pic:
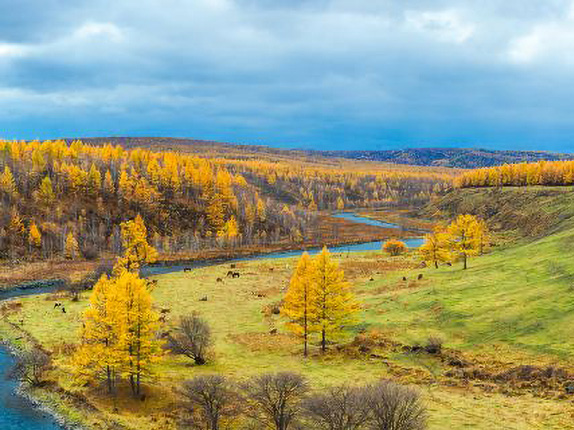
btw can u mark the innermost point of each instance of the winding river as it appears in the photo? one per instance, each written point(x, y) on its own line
point(17, 413)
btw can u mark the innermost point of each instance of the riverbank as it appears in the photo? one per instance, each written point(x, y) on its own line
point(22, 406)
point(474, 383)
point(335, 231)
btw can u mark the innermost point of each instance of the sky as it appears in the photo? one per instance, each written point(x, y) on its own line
point(322, 74)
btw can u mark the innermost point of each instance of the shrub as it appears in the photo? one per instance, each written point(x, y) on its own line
point(276, 398)
point(31, 366)
point(192, 339)
point(394, 247)
point(434, 345)
point(395, 407)
point(339, 408)
point(213, 396)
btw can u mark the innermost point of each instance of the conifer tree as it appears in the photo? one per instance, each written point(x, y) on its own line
point(137, 250)
point(71, 248)
point(334, 300)
point(300, 303)
point(46, 192)
point(100, 355)
point(7, 183)
point(119, 334)
point(34, 236)
point(435, 249)
point(463, 237)
point(139, 343)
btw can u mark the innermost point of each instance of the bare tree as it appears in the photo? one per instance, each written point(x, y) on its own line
point(395, 407)
point(192, 339)
point(276, 398)
point(213, 395)
point(31, 366)
point(339, 408)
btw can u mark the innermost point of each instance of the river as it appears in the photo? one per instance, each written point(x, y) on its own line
point(16, 413)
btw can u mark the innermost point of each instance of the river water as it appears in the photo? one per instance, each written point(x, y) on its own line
point(16, 413)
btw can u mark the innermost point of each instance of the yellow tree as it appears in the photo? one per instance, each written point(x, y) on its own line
point(137, 250)
point(100, 355)
point(139, 343)
point(300, 303)
point(463, 237)
point(230, 230)
point(435, 249)
point(7, 183)
point(394, 247)
point(261, 210)
point(94, 180)
point(119, 333)
point(109, 187)
point(46, 193)
point(215, 213)
point(335, 303)
point(71, 248)
point(34, 236)
point(483, 236)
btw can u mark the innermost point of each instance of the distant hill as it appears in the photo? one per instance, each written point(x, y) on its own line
point(439, 157)
point(449, 157)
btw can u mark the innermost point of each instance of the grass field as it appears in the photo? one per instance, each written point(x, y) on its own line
point(513, 307)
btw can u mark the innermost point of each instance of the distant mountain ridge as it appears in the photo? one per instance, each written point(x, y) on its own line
point(466, 158)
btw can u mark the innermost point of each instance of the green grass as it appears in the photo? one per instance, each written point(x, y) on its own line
point(515, 305)
point(521, 297)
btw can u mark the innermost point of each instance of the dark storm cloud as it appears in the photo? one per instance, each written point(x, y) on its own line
point(365, 73)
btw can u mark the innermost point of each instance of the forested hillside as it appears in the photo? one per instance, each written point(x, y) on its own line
point(68, 198)
point(462, 158)
point(520, 175)
point(451, 157)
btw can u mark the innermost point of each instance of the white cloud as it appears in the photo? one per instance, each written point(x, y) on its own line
point(98, 30)
point(549, 41)
point(12, 50)
point(446, 25)
point(544, 42)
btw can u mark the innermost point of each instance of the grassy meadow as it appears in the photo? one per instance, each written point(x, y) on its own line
point(511, 309)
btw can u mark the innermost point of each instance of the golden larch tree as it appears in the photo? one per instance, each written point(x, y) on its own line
point(435, 249)
point(300, 303)
point(463, 237)
point(71, 248)
point(394, 247)
point(137, 250)
point(100, 355)
point(139, 342)
point(335, 303)
point(34, 236)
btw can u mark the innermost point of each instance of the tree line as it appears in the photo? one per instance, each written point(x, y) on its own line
point(519, 175)
point(465, 237)
point(69, 199)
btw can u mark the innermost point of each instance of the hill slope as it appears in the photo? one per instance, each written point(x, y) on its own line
point(526, 211)
point(451, 157)
point(438, 157)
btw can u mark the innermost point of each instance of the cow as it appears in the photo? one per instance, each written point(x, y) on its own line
point(420, 276)
point(235, 275)
point(187, 269)
point(219, 280)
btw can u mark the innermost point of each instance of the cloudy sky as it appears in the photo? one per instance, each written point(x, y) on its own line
point(336, 74)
